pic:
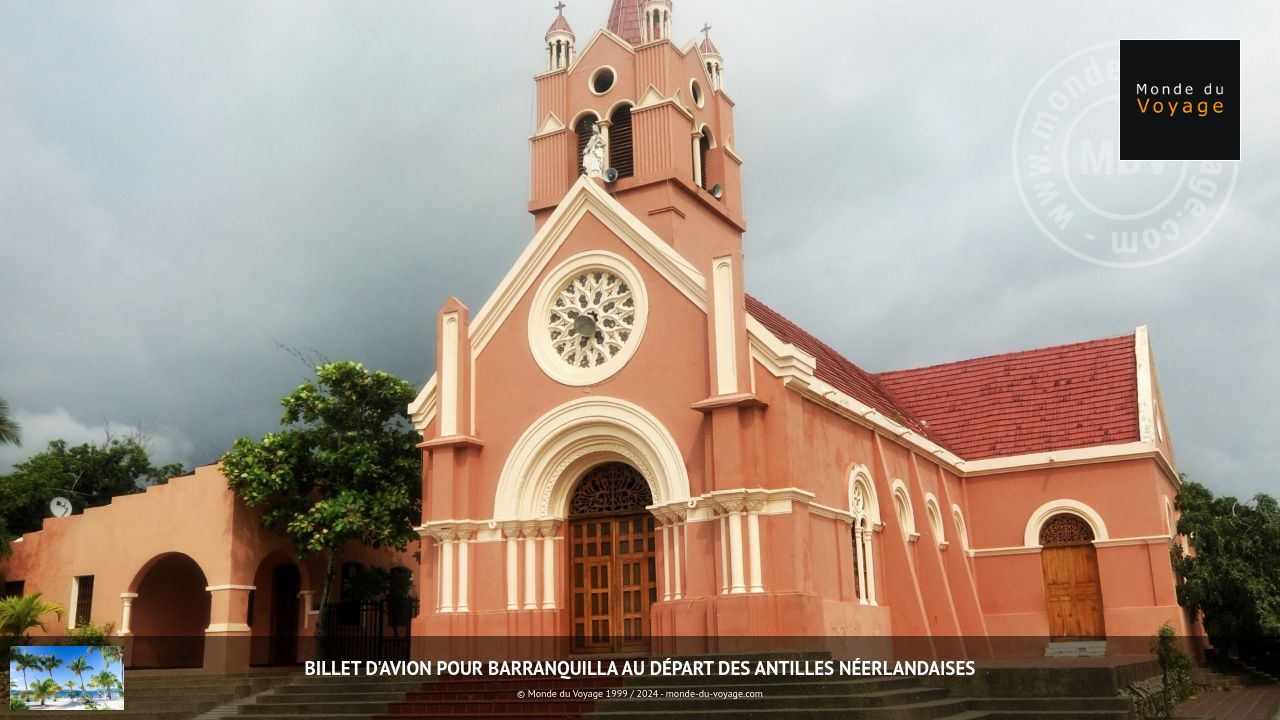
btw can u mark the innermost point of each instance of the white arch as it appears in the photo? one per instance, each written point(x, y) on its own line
point(934, 513)
point(1031, 538)
point(860, 475)
point(961, 528)
point(582, 433)
point(865, 511)
point(906, 513)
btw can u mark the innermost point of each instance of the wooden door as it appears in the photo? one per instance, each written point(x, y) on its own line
point(614, 582)
point(1073, 591)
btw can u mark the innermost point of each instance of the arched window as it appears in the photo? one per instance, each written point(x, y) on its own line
point(621, 153)
point(902, 506)
point(583, 128)
point(866, 515)
point(1066, 529)
point(961, 529)
point(704, 146)
point(935, 519)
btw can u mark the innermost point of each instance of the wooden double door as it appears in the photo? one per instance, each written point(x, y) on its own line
point(1073, 591)
point(614, 582)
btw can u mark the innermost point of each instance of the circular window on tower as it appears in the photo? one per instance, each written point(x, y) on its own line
point(602, 80)
point(695, 89)
point(587, 318)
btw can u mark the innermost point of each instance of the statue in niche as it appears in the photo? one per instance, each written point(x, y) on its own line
point(593, 155)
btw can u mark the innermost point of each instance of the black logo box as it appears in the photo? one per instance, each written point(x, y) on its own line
point(1158, 78)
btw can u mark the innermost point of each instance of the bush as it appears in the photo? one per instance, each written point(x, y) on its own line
point(87, 633)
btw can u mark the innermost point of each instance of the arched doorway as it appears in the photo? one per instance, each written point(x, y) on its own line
point(1072, 587)
point(169, 614)
point(612, 560)
point(274, 610)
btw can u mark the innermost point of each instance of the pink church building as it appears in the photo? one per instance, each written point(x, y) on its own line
point(624, 451)
point(624, 448)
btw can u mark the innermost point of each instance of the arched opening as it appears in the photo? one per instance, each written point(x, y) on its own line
point(862, 506)
point(583, 128)
point(170, 613)
point(612, 560)
point(1072, 586)
point(621, 152)
point(275, 611)
point(704, 147)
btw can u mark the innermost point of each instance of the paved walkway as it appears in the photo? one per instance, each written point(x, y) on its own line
point(1254, 703)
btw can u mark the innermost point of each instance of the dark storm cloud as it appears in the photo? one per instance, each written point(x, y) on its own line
point(184, 187)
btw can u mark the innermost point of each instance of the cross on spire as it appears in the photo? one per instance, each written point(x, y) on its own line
point(706, 30)
point(560, 7)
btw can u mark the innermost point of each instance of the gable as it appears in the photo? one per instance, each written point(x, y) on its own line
point(584, 199)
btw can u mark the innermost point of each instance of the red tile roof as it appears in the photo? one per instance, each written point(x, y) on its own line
point(833, 367)
point(624, 20)
point(706, 47)
point(560, 24)
point(1054, 398)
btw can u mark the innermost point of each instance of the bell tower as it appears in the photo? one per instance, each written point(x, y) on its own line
point(653, 115)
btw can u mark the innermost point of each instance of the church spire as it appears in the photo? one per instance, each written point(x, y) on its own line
point(712, 59)
point(560, 42)
point(624, 20)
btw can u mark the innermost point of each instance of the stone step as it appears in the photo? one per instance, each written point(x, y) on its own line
point(329, 697)
point(1056, 704)
point(931, 710)
point(305, 706)
point(892, 698)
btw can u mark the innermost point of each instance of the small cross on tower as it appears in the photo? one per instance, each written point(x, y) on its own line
point(560, 7)
point(706, 31)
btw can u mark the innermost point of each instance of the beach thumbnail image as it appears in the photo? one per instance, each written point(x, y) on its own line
point(66, 677)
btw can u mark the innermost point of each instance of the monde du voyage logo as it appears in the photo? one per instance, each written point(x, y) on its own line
point(1125, 153)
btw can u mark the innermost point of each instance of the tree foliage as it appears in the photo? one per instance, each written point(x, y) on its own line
point(344, 469)
point(88, 475)
point(10, 431)
point(20, 613)
point(1232, 574)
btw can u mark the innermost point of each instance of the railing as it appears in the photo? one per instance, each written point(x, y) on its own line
point(367, 630)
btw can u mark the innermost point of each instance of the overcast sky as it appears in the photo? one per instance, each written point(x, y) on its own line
point(186, 186)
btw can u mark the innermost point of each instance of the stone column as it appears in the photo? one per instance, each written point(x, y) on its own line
point(464, 569)
point(226, 644)
point(511, 535)
point(126, 613)
point(547, 531)
point(530, 535)
point(304, 611)
point(754, 507)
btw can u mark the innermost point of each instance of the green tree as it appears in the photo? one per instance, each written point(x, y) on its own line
point(344, 469)
point(42, 689)
point(79, 667)
point(88, 475)
point(20, 613)
point(110, 654)
point(10, 431)
point(105, 680)
point(24, 662)
point(50, 663)
point(1232, 572)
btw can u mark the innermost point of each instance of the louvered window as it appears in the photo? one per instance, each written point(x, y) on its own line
point(621, 154)
point(704, 145)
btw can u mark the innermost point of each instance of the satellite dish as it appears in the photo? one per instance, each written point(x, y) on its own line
point(60, 507)
point(717, 192)
point(610, 175)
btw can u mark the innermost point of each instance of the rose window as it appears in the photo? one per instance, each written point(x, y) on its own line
point(592, 318)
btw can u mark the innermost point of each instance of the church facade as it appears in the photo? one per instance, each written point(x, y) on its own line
point(626, 452)
point(623, 450)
